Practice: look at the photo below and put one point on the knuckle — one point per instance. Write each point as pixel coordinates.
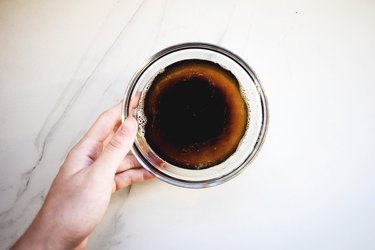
(128, 163)
(116, 143)
(123, 182)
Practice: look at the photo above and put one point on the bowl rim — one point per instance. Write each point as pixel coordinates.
(263, 101)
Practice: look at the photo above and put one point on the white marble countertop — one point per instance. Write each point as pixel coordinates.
(312, 185)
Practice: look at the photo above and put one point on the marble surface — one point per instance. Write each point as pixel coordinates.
(312, 185)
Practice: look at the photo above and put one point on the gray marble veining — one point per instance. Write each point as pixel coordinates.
(63, 63)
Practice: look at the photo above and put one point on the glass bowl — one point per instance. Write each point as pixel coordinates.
(251, 141)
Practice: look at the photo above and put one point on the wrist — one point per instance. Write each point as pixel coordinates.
(41, 234)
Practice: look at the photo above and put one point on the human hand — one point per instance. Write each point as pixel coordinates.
(96, 167)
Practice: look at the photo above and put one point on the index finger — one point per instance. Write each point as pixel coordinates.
(104, 125)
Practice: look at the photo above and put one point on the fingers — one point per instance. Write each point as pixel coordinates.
(87, 150)
(117, 148)
(131, 176)
(127, 163)
(105, 124)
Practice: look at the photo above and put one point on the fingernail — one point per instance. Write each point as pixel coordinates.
(129, 125)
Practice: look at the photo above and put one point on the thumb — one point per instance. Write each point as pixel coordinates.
(118, 147)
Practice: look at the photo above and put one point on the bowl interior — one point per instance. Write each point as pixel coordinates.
(250, 142)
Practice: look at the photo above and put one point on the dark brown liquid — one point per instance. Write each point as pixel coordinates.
(196, 115)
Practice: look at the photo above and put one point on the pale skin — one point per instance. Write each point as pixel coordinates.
(97, 166)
